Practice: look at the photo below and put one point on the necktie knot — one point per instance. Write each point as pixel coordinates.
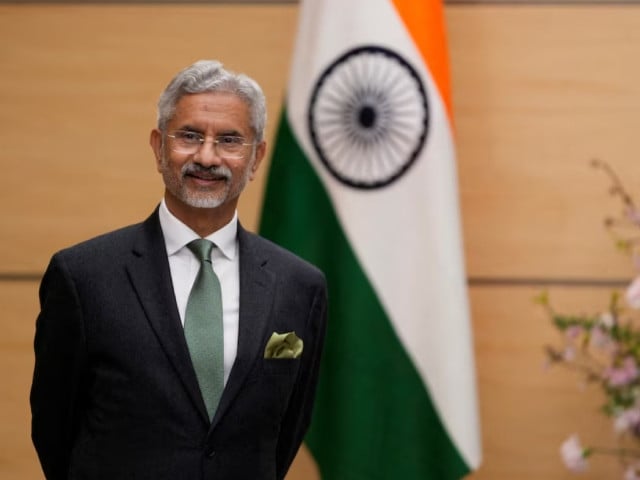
(201, 248)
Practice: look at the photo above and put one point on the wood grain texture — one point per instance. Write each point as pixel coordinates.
(78, 86)
(19, 303)
(528, 409)
(538, 92)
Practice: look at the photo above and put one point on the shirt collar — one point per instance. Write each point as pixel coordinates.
(177, 235)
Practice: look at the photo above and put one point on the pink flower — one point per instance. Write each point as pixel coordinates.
(573, 332)
(623, 375)
(569, 353)
(633, 215)
(607, 320)
(573, 455)
(632, 472)
(632, 294)
(627, 420)
(598, 337)
(602, 340)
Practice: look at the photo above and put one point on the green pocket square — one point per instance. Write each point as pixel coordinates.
(283, 345)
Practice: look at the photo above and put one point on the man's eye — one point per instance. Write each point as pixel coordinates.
(230, 140)
(189, 137)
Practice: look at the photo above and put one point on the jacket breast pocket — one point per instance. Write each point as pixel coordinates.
(281, 366)
(268, 389)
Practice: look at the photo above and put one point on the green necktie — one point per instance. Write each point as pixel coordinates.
(203, 327)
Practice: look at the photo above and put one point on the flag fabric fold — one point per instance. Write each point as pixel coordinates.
(363, 184)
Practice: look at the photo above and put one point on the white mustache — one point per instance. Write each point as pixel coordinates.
(219, 171)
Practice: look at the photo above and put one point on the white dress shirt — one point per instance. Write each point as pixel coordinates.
(184, 266)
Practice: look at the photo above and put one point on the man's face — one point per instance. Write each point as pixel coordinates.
(204, 179)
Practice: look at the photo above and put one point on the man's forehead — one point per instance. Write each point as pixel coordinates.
(218, 106)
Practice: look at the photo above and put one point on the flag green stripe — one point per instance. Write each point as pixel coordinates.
(373, 417)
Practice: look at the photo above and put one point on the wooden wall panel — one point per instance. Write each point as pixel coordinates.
(538, 91)
(528, 410)
(78, 88)
(19, 303)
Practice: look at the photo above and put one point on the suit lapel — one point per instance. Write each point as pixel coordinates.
(257, 286)
(148, 269)
(149, 272)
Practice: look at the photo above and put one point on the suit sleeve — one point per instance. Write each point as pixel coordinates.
(60, 359)
(298, 415)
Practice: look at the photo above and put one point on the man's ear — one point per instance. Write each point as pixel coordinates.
(261, 149)
(155, 140)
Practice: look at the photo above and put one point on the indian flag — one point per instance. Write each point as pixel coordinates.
(363, 184)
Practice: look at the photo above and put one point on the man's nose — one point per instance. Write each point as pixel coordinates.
(208, 153)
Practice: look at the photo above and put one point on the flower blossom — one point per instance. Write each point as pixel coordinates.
(607, 320)
(633, 215)
(632, 472)
(574, 455)
(573, 332)
(569, 353)
(628, 420)
(598, 337)
(623, 375)
(632, 295)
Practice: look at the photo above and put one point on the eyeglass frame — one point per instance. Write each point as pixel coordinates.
(215, 141)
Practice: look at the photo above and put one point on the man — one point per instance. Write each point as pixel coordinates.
(129, 380)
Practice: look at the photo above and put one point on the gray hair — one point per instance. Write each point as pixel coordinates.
(207, 76)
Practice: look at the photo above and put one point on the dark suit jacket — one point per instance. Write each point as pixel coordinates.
(114, 394)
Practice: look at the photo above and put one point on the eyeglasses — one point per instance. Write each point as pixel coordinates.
(226, 146)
